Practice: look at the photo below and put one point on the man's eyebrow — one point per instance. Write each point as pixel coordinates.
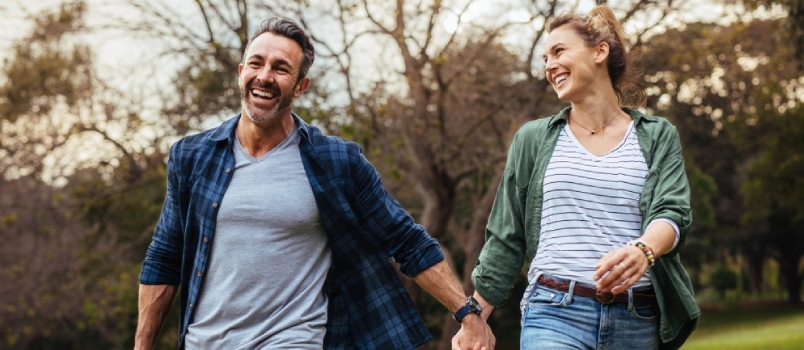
(279, 61)
(256, 55)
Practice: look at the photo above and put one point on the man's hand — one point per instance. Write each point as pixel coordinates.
(474, 334)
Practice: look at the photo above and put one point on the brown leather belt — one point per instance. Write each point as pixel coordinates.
(642, 297)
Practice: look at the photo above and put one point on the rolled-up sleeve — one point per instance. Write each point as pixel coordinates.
(392, 227)
(162, 264)
(671, 196)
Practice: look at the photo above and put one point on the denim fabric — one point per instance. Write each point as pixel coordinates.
(561, 320)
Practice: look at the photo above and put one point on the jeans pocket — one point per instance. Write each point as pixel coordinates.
(544, 296)
(645, 311)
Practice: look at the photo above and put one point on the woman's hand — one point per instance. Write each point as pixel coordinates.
(619, 269)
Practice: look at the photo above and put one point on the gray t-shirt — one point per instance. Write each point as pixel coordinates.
(268, 261)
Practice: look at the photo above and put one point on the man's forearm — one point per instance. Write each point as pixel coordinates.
(154, 304)
(439, 281)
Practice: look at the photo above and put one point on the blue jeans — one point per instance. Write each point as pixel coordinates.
(560, 320)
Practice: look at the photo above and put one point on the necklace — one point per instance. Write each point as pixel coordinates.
(592, 131)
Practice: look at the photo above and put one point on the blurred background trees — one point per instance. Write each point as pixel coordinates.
(432, 90)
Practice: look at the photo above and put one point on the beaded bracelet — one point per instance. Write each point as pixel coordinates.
(645, 249)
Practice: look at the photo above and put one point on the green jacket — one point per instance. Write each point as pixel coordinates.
(512, 233)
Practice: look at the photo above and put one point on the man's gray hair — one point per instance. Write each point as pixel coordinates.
(288, 28)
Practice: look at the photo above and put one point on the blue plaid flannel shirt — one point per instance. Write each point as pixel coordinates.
(368, 305)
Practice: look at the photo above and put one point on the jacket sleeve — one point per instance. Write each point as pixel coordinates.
(162, 263)
(671, 197)
(392, 227)
(503, 254)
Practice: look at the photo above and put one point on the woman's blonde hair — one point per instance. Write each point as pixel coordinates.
(599, 26)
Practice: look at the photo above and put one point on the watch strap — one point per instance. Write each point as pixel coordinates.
(471, 307)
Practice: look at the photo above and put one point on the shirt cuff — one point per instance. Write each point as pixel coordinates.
(675, 228)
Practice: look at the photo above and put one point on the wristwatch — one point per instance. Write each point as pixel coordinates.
(471, 307)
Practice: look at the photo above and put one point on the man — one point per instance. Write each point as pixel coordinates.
(279, 236)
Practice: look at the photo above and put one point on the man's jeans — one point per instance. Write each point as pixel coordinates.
(560, 320)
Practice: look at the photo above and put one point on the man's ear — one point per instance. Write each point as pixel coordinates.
(301, 86)
(601, 52)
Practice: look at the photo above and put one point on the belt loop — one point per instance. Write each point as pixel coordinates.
(570, 293)
(630, 300)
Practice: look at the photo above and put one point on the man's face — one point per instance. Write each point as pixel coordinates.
(268, 78)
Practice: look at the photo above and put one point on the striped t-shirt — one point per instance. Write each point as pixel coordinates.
(591, 206)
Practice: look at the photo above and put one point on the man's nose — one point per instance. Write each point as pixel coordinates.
(266, 74)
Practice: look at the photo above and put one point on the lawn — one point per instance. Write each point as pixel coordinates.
(758, 325)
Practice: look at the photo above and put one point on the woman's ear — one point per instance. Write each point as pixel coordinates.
(601, 52)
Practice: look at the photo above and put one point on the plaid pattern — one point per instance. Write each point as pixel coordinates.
(368, 305)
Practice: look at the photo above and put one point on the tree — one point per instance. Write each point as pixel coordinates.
(723, 279)
(774, 191)
(732, 84)
(74, 234)
(793, 24)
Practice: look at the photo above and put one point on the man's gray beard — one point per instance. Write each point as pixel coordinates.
(284, 103)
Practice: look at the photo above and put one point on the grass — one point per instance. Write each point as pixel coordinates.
(753, 325)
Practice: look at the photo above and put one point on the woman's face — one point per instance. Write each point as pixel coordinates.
(570, 66)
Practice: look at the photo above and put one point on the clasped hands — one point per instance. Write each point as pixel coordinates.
(475, 334)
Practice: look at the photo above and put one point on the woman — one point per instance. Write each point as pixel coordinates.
(597, 200)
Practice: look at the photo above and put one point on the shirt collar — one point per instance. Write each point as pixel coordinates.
(226, 132)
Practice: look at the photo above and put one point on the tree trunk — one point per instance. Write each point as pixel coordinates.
(472, 242)
(788, 267)
(753, 271)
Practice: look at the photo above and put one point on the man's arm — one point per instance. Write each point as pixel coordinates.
(440, 281)
(154, 305)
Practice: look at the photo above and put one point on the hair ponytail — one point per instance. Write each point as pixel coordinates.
(599, 26)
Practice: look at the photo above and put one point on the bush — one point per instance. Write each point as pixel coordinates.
(723, 279)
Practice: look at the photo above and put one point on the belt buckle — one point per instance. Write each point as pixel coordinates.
(604, 302)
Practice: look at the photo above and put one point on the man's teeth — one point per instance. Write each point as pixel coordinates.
(265, 94)
(561, 79)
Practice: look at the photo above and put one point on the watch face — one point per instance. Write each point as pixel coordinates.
(474, 305)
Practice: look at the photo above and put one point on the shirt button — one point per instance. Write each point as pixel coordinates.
(199, 273)
(228, 170)
(191, 306)
(206, 239)
(215, 205)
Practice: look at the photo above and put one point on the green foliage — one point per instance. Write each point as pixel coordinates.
(723, 279)
(698, 248)
(733, 93)
(46, 67)
(774, 191)
(793, 23)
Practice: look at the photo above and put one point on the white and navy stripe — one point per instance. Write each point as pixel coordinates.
(590, 206)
